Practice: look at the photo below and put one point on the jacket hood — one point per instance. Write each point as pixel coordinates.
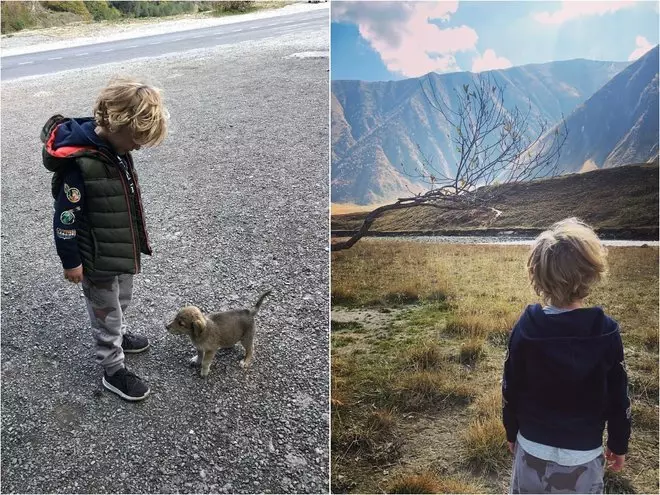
(582, 323)
(69, 138)
(574, 345)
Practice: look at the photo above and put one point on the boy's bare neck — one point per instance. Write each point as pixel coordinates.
(579, 303)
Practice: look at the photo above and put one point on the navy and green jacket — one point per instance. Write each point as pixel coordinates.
(98, 219)
(565, 378)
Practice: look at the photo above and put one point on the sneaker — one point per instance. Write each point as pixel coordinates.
(126, 385)
(132, 344)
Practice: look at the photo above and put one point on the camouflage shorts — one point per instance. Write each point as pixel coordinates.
(533, 475)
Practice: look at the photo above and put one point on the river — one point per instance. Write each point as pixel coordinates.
(502, 240)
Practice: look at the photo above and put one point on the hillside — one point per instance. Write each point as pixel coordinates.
(619, 123)
(618, 198)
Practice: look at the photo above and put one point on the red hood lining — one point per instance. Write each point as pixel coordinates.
(63, 151)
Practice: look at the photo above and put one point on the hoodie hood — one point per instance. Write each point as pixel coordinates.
(582, 323)
(68, 138)
(574, 344)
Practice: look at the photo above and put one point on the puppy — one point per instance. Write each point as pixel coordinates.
(216, 330)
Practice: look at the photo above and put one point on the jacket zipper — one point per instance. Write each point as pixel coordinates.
(139, 200)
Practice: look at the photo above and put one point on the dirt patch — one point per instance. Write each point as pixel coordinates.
(370, 319)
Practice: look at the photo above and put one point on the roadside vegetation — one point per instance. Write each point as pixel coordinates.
(17, 16)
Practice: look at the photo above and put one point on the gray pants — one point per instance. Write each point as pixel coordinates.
(533, 475)
(107, 298)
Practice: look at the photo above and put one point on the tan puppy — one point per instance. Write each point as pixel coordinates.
(216, 330)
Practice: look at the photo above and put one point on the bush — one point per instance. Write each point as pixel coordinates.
(471, 351)
(419, 483)
(77, 8)
(16, 16)
(485, 445)
(153, 9)
(428, 482)
(425, 357)
(233, 6)
(101, 11)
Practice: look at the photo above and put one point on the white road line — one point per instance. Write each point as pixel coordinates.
(178, 39)
(25, 63)
(109, 50)
(200, 36)
(132, 46)
(236, 30)
(81, 54)
(55, 58)
(156, 43)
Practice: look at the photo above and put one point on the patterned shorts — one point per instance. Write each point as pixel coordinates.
(533, 475)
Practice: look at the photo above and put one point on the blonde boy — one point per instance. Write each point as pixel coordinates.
(99, 225)
(564, 375)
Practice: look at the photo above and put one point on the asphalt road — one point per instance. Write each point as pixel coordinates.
(236, 201)
(152, 46)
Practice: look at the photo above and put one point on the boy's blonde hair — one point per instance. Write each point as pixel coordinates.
(565, 262)
(128, 103)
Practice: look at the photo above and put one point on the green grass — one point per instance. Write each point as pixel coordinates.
(346, 326)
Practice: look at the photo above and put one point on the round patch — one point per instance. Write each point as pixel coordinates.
(72, 193)
(67, 217)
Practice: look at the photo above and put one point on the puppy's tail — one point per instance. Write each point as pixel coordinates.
(257, 305)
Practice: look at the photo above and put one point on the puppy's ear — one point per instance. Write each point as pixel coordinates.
(198, 325)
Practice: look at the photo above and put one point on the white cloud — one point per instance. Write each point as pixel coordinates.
(490, 61)
(404, 36)
(573, 9)
(643, 46)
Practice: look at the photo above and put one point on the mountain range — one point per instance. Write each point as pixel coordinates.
(381, 131)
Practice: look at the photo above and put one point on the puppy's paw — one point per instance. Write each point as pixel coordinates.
(245, 363)
(204, 372)
(194, 361)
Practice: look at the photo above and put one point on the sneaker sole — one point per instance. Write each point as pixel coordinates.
(136, 351)
(122, 394)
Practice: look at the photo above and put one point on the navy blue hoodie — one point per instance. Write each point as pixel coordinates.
(564, 378)
(70, 200)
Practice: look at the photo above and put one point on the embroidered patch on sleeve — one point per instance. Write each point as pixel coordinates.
(65, 234)
(68, 217)
(72, 193)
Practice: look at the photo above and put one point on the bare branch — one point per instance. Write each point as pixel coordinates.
(494, 145)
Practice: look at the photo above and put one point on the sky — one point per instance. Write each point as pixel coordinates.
(383, 41)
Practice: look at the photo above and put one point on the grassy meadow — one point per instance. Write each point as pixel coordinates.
(419, 335)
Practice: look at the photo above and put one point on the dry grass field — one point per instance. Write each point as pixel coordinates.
(419, 334)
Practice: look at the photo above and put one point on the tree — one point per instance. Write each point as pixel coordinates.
(494, 146)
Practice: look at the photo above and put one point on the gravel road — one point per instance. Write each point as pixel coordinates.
(236, 202)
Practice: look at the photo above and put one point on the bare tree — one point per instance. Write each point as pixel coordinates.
(494, 146)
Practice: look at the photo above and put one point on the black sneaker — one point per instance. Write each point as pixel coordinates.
(126, 385)
(132, 344)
